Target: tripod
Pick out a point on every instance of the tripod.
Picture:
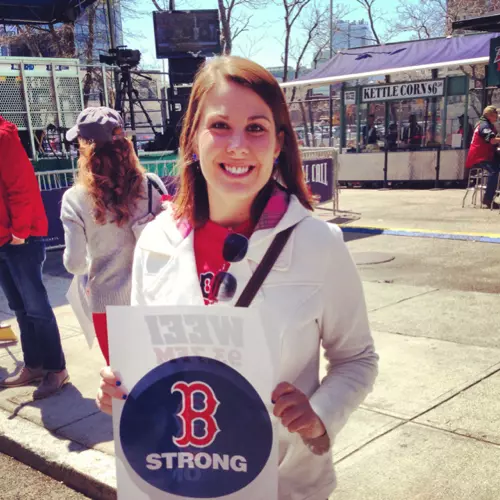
(125, 91)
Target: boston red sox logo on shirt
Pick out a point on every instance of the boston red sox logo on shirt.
(206, 283)
(196, 428)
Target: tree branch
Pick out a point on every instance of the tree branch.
(368, 6)
(241, 27)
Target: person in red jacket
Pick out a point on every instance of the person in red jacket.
(483, 152)
(23, 224)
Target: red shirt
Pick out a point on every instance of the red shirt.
(208, 246)
(481, 149)
(21, 207)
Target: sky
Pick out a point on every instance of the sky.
(263, 43)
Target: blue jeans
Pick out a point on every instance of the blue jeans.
(21, 281)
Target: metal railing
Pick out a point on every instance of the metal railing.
(56, 179)
(162, 168)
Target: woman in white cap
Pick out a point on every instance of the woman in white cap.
(103, 212)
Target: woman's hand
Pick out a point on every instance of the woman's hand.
(109, 389)
(293, 408)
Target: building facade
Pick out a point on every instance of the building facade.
(346, 35)
(102, 39)
(350, 34)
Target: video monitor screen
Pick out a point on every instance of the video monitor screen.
(181, 33)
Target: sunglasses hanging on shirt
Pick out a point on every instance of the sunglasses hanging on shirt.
(225, 284)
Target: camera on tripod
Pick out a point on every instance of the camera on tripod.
(121, 56)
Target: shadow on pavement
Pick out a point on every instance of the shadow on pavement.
(56, 416)
(352, 236)
(54, 266)
(18, 359)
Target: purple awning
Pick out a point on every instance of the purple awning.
(352, 64)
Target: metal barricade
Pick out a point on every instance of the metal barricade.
(162, 168)
(52, 185)
(326, 153)
(55, 179)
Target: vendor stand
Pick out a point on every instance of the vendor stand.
(418, 97)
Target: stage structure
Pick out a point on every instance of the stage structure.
(41, 11)
(40, 96)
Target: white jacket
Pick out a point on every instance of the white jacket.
(313, 297)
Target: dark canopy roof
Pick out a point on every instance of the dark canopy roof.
(392, 58)
(489, 23)
(41, 11)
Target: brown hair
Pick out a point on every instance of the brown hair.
(192, 199)
(113, 177)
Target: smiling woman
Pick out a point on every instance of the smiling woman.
(237, 149)
(238, 121)
(241, 192)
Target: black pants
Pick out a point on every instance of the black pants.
(492, 182)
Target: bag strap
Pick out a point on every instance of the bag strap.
(152, 183)
(264, 268)
(150, 196)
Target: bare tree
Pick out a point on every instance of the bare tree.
(234, 19)
(59, 40)
(422, 20)
(89, 77)
(373, 14)
(313, 27)
(41, 40)
(251, 47)
(312, 35)
(434, 18)
(313, 30)
(292, 12)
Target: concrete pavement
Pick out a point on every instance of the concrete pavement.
(430, 429)
(20, 482)
(437, 210)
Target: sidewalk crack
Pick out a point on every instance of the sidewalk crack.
(57, 429)
(403, 300)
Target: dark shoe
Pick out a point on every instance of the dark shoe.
(25, 377)
(52, 382)
(491, 204)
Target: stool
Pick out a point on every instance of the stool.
(478, 177)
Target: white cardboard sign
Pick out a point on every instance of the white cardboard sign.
(198, 419)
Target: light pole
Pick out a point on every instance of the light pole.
(111, 24)
(331, 29)
(330, 119)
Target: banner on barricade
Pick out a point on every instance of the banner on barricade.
(197, 420)
(52, 203)
(319, 177)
